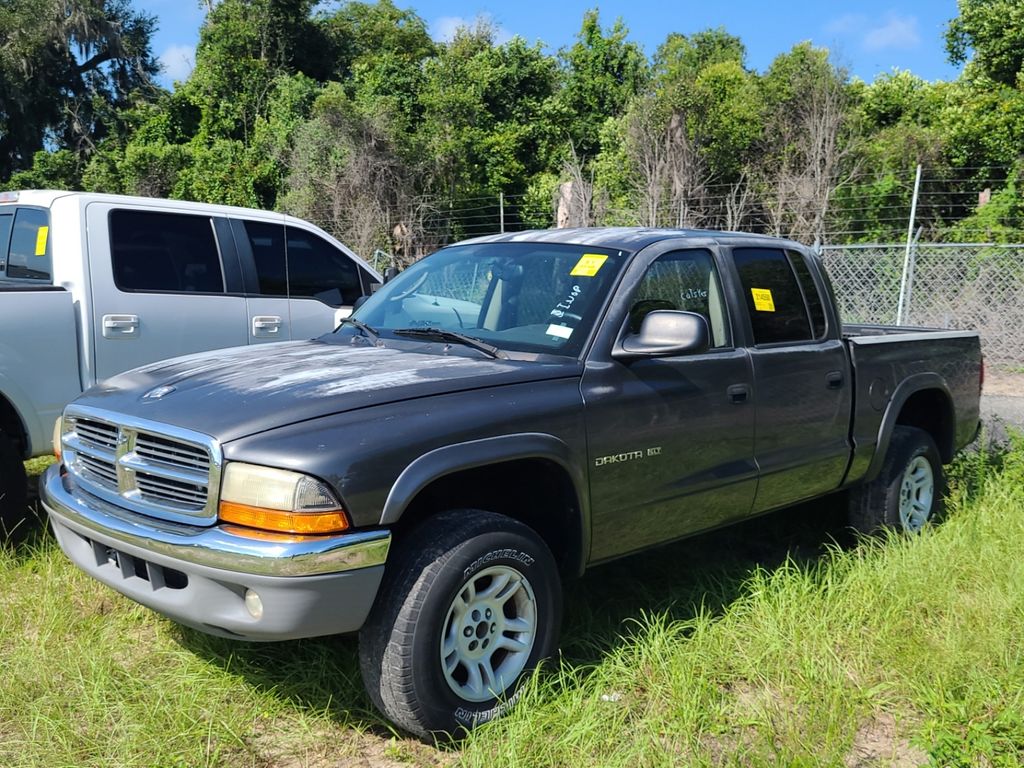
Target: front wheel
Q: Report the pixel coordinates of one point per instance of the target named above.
(471, 603)
(907, 493)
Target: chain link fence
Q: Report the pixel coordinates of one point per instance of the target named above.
(963, 286)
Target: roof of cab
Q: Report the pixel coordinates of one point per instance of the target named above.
(45, 198)
(627, 238)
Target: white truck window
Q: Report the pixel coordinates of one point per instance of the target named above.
(319, 270)
(29, 253)
(6, 224)
(305, 266)
(154, 251)
(267, 242)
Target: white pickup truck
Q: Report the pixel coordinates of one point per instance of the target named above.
(92, 285)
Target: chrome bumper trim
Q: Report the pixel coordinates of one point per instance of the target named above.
(216, 546)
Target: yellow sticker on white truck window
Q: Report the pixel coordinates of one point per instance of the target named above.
(589, 265)
(41, 236)
(763, 301)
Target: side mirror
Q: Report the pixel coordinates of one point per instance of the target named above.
(664, 333)
(359, 302)
(390, 274)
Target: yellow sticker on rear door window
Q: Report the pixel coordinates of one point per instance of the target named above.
(763, 301)
(41, 235)
(589, 265)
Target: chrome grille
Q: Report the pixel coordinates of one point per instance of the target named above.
(98, 434)
(171, 452)
(102, 471)
(155, 469)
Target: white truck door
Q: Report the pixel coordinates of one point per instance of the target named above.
(158, 286)
(296, 280)
(261, 252)
(323, 283)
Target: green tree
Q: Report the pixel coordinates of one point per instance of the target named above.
(603, 72)
(487, 123)
(994, 31)
(66, 68)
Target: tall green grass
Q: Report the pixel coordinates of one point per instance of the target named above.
(902, 651)
(779, 642)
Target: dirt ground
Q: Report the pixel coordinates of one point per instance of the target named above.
(1003, 384)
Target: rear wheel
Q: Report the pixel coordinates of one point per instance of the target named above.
(13, 491)
(470, 605)
(907, 493)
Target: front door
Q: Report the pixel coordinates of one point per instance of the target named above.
(670, 439)
(158, 288)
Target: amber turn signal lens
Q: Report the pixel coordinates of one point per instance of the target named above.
(333, 521)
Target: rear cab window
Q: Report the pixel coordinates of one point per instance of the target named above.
(781, 297)
(25, 252)
(153, 251)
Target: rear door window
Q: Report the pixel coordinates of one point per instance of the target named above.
(156, 251)
(28, 256)
(773, 297)
(815, 306)
(319, 270)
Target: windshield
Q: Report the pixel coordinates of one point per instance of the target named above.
(528, 297)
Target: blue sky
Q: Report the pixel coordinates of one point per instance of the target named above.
(867, 37)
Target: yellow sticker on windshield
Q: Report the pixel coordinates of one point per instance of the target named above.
(763, 301)
(41, 241)
(588, 265)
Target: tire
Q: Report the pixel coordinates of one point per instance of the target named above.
(13, 492)
(908, 492)
(436, 628)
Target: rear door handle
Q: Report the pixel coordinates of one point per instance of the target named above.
(834, 379)
(266, 325)
(120, 326)
(738, 393)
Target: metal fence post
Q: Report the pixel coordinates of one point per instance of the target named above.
(906, 255)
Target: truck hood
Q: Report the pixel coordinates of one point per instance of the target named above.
(229, 394)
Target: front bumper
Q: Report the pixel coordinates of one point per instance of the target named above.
(198, 576)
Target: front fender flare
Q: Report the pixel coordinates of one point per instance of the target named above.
(478, 453)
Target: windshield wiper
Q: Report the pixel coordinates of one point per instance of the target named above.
(366, 329)
(442, 334)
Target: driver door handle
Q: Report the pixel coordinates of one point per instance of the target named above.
(738, 393)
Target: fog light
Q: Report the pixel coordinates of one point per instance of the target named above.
(253, 604)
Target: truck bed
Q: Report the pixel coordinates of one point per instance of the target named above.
(38, 357)
(889, 362)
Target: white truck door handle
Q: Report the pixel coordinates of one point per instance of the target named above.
(266, 325)
(120, 326)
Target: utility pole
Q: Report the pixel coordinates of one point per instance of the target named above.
(501, 210)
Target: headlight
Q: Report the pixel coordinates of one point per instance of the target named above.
(58, 433)
(278, 500)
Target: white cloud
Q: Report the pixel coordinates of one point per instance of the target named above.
(897, 32)
(443, 29)
(846, 24)
(177, 61)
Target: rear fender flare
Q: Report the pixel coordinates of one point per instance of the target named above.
(907, 388)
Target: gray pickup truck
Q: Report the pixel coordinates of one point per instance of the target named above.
(502, 415)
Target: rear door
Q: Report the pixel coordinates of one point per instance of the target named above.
(160, 288)
(801, 376)
(299, 284)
